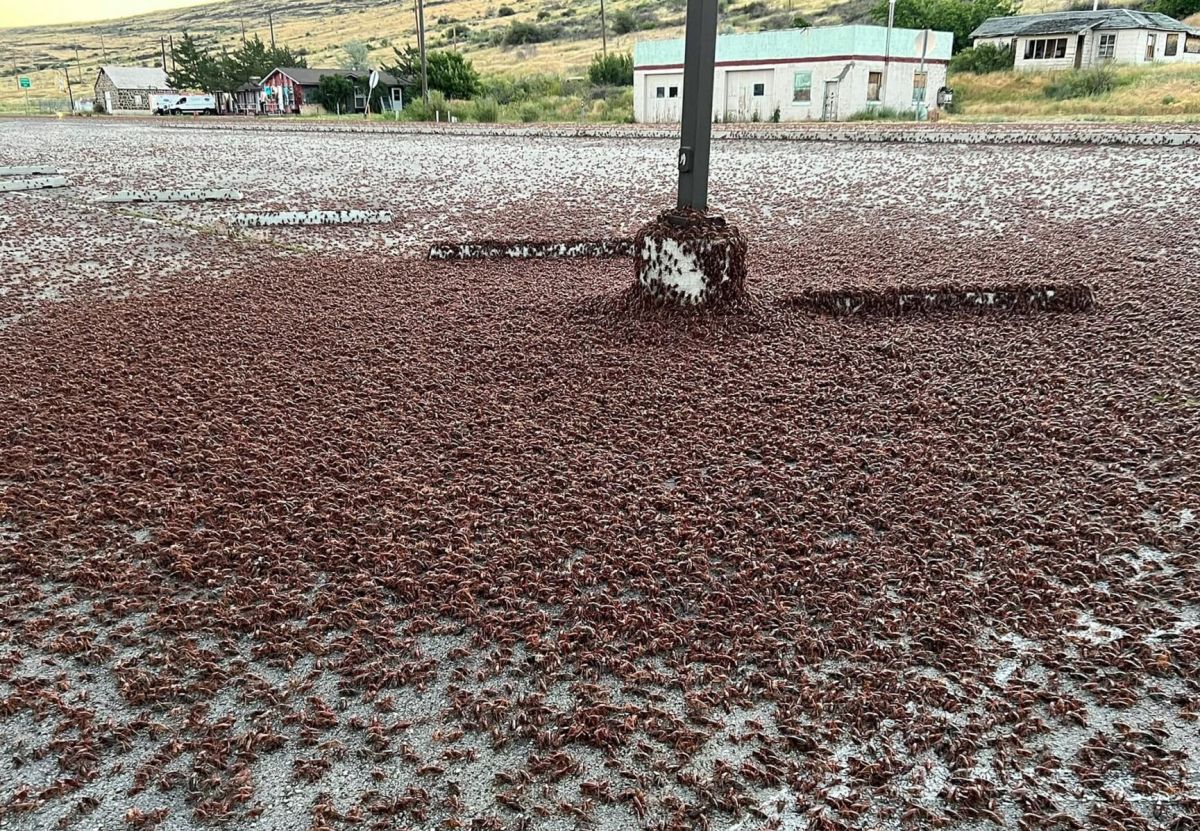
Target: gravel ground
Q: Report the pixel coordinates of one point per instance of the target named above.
(298, 530)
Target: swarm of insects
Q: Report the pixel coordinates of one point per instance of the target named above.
(310, 540)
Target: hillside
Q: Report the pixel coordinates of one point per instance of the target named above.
(323, 27)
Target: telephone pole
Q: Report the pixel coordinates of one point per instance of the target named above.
(271, 24)
(78, 67)
(162, 45)
(70, 94)
(424, 58)
(603, 30)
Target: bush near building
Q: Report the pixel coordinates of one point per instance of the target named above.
(613, 70)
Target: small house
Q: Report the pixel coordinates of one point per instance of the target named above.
(827, 73)
(128, 89)
(292, 89)
(1084, 39)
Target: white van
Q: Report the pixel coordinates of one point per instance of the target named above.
(186, 104)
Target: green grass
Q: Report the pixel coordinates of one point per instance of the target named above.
(1162, 91)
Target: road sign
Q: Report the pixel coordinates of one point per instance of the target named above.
(374, 82)
(25, 82)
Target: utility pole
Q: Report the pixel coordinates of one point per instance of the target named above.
(271, 24)
(243, 22)
(699, 66)
(603, 30)
(171, 46)
(103, 51)
(78, 67)
(162, 45)
(424, 58)
(70, 94)
(887, 51)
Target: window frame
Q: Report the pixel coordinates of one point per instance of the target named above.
(1106, 48)
(924, 87)
(874, 94)
(1171, 45)
(673, 92)
(1151, 45)
(660, 92)
(802, 94)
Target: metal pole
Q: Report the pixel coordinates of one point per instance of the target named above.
(424, 59)
(699, 67)
(103, 50)
(925, 81)
(162, 44)
(78, 67)
(70, 94)
(887, 51)
(603, 30)
(271, 25)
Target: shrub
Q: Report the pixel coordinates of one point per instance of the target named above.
(882, 114)
(485, 110)
(505, 11)
(1082, 83)
(623, 22)
(530, 113)
(776, 116)
(520, 33)
(756, 8)
(983, 59)
(801, 22)
(614, 70)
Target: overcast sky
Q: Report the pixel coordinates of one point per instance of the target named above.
(35, 12)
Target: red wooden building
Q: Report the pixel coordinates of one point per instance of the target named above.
(289, 89)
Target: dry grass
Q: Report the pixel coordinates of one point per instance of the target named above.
(1171, 91)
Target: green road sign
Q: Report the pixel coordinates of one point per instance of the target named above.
(25, 82)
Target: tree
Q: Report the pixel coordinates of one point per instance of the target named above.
(623, 22)
(1178, 9)
(984, 58)
(256, 59)
(195, 67)
(958, 16)
(449, 72)
(614, 70)
(334, 93)
(357, 56)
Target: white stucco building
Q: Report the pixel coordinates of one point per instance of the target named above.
(1084, 39)
(827, 73)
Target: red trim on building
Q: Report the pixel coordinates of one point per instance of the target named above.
(773, 61)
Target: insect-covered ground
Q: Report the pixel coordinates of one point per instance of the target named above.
(298, 530)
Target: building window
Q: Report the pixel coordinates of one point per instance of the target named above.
(920, 79)
(397, 95)
(1191, 45)
(661, 92)
(673, 92)
(1045, 48)
(1150, 43)
(874, 81)
(760, 90)
(802, 87)
(1108, 46)
(1171, 47)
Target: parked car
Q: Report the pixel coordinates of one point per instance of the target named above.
(183, 104)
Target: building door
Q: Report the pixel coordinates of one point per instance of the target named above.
(1079, 52)
(664, 98)
(108, 101)
(749, 95)
(829, 110)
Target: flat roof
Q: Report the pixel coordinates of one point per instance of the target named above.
(812, 43)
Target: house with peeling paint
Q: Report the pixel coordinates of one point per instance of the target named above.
(1084, 39)
(826, 73)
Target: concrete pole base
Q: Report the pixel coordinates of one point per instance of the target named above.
(688, 258)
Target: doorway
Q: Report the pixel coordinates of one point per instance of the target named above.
(1079, 52)
(829, 110)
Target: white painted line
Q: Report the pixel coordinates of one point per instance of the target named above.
(10, 185)
(186, 195)
(350, 217)
(29, 170)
